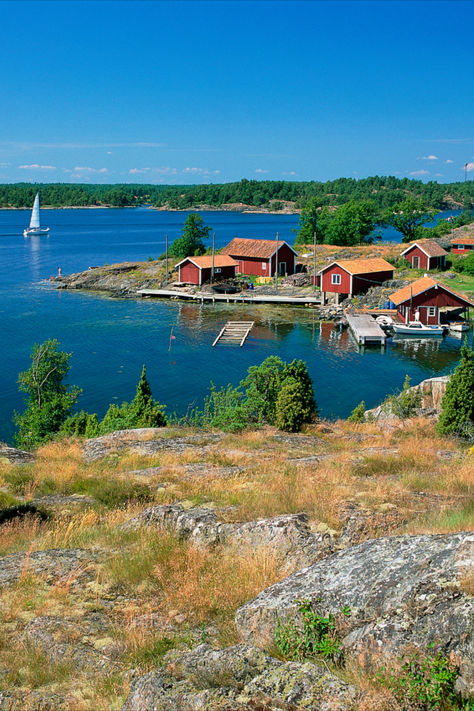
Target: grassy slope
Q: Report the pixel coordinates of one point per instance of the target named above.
(409, 480)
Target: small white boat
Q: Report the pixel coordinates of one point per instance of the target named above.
(384, 321)
(459, 326)
(416, 328)
(35, 226)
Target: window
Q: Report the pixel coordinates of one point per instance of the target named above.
(217, 271)
(264, 265)
(431, 310)
(335, 278)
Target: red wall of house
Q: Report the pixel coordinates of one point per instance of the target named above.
(362, 282)
(432, 297)
(189, 273)
(343, 288)
(416, 252)
(286, 255)
(466, 249)
(252, 265)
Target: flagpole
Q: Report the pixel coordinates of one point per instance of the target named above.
(171, 337)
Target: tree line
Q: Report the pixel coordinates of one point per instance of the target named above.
(383, 191)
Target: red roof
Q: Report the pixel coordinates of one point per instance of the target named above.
(418, 287)
(463, 240)
(361, 266)
(205, 262)
(261, 248)
(429, 246)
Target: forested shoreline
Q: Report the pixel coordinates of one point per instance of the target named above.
(272, 195)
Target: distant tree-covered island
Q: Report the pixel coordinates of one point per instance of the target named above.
(273, 195)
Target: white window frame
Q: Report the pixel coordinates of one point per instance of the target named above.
(431, 310)
(217, 270)
(264, 265)
(335, 279)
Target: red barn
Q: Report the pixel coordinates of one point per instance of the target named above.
(432, 301)
(259, 257)
(426, 254)
(349, 277)
(197, 270)
(463, 245)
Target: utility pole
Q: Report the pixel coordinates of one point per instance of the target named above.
(314, 260)
(465, 172)
(166, 242)
(213, 250)
(276, 263)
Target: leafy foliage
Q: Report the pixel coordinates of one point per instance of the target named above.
(405, 404)
(408, 216)
(81, 424)
(191, 242)
(310, 636)
(48, 400)
(350, 224)
(143, 411)
(358, 413)
(428, 681)
(457, 406)
(461, 264)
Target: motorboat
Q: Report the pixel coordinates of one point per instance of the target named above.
(384, 321)
(224, 288)
(458, 326)
(35, 226)
(416, 328)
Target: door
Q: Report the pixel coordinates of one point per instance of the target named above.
(241, 267)
(282, 268)
(416, 262)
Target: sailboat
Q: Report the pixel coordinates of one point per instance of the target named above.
(35, 227)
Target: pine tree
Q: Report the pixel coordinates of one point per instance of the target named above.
(457, 406)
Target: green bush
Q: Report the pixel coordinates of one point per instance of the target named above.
(426, 681)
(290, 412)
(81, 424)
(457, 405)
(310, 635)
(358, 413)
(113, 493)
(143, 411)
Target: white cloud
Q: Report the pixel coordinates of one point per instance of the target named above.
(290, 172)
(439, 175)
(449, 161)
(430, 157)
(88, 169)
(200, 171)
(35, 166)
(134, 171)
(261, 170)
(419, 172)
(469, 167)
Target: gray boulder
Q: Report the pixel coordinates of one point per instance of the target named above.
(238, 678)
(403, 591)
(15, 456)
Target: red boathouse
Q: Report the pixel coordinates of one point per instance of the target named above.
(426, 254)
(434, 302)
(349, 277)
(197, 270)
(463, 245)
(259, 257)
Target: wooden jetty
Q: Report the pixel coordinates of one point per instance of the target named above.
(366, 329)
(234, 332)
(248, 298)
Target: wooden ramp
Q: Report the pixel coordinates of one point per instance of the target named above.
(234, 333)
(365, 329)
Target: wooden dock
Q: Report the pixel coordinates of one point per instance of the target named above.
(234, 332)
(248, 298)
(366, 329)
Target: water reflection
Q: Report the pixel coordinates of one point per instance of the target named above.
(435, 354)
(335, 338)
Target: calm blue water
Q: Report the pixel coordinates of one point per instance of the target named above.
(111, 339)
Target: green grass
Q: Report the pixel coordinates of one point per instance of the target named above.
(461, 283)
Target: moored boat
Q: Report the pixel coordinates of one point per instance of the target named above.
(416, 328)
(459, 326)
(35, 226)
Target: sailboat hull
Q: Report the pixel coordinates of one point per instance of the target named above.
(32, 231)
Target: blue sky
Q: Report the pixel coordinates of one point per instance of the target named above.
(190, 92)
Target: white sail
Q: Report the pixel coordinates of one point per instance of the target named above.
(35, 213)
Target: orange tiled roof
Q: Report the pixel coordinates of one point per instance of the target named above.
(261, 248)
(362, 266)
(429, 246)
(418, 287)
(463, 240)
(205, 261)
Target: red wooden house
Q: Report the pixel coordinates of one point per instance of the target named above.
(425, 254)
(197, 270)
(349, 277)
(432, 301)
(259, 257)
(463, 245)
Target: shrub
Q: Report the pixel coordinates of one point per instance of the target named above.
(81, 424)
(406, 403)
(143, 411)
(310, 636)
(457, 405)
(290, 412)
(358, 413)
